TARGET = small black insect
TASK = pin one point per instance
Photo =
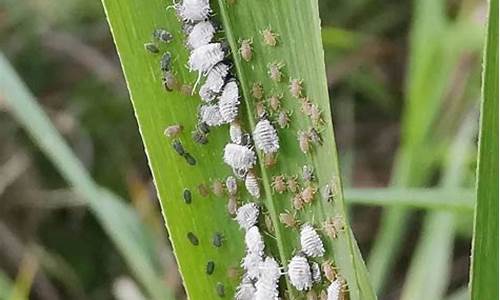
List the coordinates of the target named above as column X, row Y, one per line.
column 193, row 239
column 179, row 148
column 220, row 289
column 189, row 159
column 210, row 267
column 163, row 35
column 199, row 137
column 151, row 47
column 203, row 127
column 165, row 62
column 217, row 239
column 187, row 196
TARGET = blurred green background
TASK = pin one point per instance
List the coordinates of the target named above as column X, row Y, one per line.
column 404, row 85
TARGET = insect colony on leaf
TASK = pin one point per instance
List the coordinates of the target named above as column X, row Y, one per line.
column 220, row 97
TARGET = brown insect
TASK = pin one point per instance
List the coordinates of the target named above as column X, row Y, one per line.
column 173, row 131
column 246, row 49
column 274, row 102
column 283, row 119
column 218, row 188
column 297, row 201
column 269, row 223
column 274, row 71
column 308, row 193
column 260, row 109
column 305, row 106
column 315, row 115
column 329, row 270
column 257, row 90
column 288, row 219
column 323, row 295
column 270, row 160
column 203, row 190
column 186, row 89
column 270, row 38
column 232, row 205
column 279, row 184
column 304, row 141
column 296, row 88
column 292, row 184
column 312, row 295
column 333, row 225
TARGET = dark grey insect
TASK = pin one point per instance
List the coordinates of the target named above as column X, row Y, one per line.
column 189, row 159
column 151, row 48
column 217, row 239
column 169, row 81
column 315, row 136
column 307, row 173
column 166, row 61
column 203, row 127
column 193, row 239
column 163, row 35
column 246, row 139
column 178, row 147
column 210, row 267
column 188, row 198
column 219, row 287
column 199, row 137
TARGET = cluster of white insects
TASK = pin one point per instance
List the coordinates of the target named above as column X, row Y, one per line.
column 220, row 101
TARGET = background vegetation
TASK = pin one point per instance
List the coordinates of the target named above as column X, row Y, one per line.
column 404, row 82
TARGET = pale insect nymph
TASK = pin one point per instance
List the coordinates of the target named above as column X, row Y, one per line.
column 232, row 205
column 247, row 215
column 304, row 141
column 173, row 131
column 252, row 185
column 201, row 34
column 292, row 184
column 279, row 184
column 283, row 119
column 299, row 273
column 254, row 241
column 257, row 90
column 296, row 88
column 218, row 188
column 260, row 109
column 274, row 102
column 274, row 71
column 308, row 193
column 311, row 242
column 288, row 219
column 229, row 101
column 333, row 225
column 265, row 137
column 246, row 49
column 231, row 185
column 239, row 157
column 329, row 270
column 270, row 38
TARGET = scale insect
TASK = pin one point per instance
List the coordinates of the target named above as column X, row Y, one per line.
column 292, row 184
column 279, row 184
column 201, row 34
column 336, row 289
column 252, row 185
column 308, row 194
column 211, row 115
column 189, row 159
column 246, row 49
column 329, row 270
column 267, row 282
column 218, row 188
column 166, row 62
column 191, row 11
column 151, row 48
column 235, row 132
column 257, row 91
column 260, row 109
column 299, row 273
column 217, row 239
column 297, row 202
column 283, row 119
column 274, row 71
column 274, row 102
column 310, row 242
column 232, row 205
column 247, row 215
column 269, row 37
column 169, row 81
column 245, row 290
column 250, row 263
column 229, row 102
column 210, row 267
column 307, row 173
column 193, row 239
column 188, row 198
column 288, row 219
column 333, row 225
column 304, row 141
column 239, row 157
column 296, row 88
column 178, row 147
column 203, row 190
column 231, row 185
column 216, row 79
column 266, row 137
column 315, row 272
column 254, row 241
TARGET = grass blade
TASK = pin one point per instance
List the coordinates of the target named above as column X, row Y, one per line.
column 132, row 23
column 484, row 267
column 117, row 219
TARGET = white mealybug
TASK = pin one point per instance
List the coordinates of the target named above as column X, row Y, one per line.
column 336, row 289
column 206, row 94
column 252, row 185
column 229, row 101
column 239, row 157
column 204, row 58
column 254, row 241
column 251, row 263
column 210, row 114
column 299, row 273
column 315, row 272
column 310, row 242
column 231, row 185
column 245, row 290
column 215, row 81
column 267, row 283
column 201, row 34
column 235, row 132
column 265, row 137
column 193, row 10
column 247, row 215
